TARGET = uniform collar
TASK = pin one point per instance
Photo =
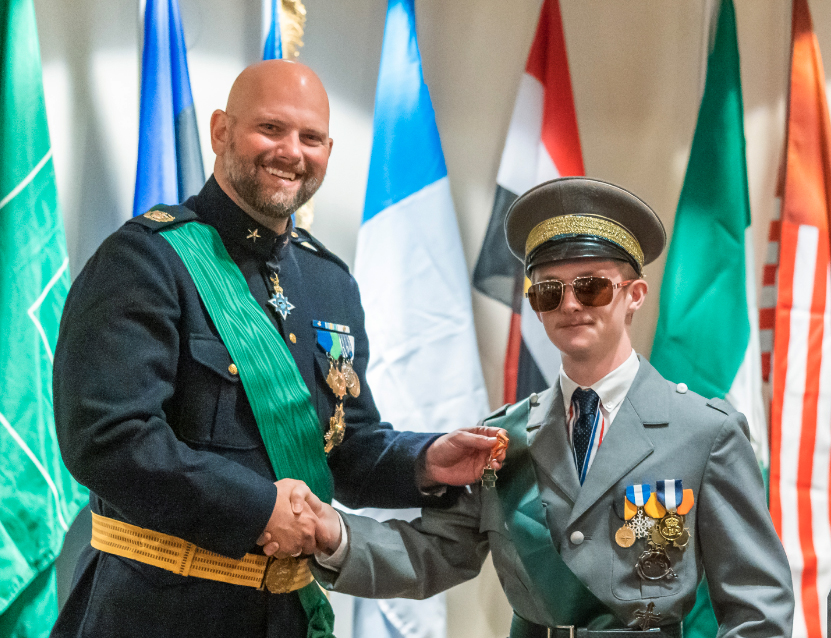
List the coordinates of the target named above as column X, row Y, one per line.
column 611, row 389
column 235, row 226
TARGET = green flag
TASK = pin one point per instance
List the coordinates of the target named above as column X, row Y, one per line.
column 38, row 497
column 707, row 334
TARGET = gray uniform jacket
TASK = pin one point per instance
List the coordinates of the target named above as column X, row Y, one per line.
column 660, row 432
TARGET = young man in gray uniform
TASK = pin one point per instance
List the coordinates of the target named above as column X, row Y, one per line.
column 620, row 489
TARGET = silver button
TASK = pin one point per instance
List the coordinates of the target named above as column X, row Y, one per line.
column 681, row 388
column 534, row 399
column 577, row 537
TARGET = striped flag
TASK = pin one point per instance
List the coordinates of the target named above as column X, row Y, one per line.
column 424, row 364
column 543, row 143
column 38, row 497
column 169, row 166
column 707, row 334
column 273, row 47
column 801, row 365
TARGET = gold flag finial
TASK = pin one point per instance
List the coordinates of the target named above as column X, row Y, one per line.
column 292, row 23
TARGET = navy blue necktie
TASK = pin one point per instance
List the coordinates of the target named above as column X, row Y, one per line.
column 584, row 405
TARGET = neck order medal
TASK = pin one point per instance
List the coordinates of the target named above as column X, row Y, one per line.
column 278, row 300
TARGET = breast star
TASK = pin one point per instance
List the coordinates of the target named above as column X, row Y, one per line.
column 253, row 234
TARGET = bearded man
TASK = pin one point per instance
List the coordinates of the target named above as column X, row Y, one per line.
column 210, row 382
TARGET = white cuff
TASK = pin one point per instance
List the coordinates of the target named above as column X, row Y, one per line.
column 334, row 561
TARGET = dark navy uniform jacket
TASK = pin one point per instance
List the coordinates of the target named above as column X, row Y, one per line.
column 153, row 420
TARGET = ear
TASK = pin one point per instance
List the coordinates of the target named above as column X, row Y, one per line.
column 636, row 297
column 219, row 131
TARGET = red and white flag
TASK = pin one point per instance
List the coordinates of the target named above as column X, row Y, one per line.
column 801, row 361
column 543, row 143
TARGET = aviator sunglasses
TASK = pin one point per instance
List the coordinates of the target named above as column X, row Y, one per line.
column 589, row 291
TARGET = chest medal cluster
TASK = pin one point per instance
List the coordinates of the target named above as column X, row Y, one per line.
column 339, row 347
column 657, row 517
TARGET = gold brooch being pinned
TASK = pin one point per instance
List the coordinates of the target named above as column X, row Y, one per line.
column 159, row 216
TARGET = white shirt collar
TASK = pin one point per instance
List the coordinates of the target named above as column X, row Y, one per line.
column 611, row 389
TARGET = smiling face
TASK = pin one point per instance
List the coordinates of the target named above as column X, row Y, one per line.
column 272, row 141
column 592, row 340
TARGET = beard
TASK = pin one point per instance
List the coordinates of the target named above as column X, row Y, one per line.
column 275, row 205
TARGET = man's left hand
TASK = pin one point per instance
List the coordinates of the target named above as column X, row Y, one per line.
column 458, row 458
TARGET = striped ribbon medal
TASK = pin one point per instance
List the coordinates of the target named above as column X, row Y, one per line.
column 339, row 347
column 671, row 528
column 637, row 525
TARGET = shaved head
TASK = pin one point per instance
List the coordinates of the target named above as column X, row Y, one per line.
column 271, row 80
column 272, row 140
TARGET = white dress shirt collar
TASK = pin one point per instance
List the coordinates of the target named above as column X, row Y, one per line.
column 611, row 389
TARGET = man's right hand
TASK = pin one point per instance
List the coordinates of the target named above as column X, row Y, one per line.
column 291, row 528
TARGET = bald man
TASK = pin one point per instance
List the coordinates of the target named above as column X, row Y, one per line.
column 209, row 384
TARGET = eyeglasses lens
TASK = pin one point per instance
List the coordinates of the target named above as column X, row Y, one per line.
column 589, row 291
column 593, row 291
column 545, row 296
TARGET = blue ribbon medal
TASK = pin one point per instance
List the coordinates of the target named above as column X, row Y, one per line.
column 671, row 528
column 339, row 347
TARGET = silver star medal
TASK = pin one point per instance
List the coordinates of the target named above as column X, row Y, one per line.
column 278, row 300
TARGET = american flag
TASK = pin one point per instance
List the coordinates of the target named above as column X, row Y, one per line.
column 801, row 361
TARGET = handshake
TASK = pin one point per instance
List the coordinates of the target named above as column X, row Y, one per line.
column 302, row 524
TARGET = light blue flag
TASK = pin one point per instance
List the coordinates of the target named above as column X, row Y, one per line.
column 169, row 157
column 424, row 368
column 273, row 48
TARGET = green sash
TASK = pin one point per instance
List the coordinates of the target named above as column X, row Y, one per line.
column 277, row 393
column 567, row 599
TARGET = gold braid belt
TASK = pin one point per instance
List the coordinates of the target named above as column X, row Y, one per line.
column 277, row 575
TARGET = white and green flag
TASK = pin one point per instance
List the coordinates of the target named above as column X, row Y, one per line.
column 38, row 497
column 707, row 334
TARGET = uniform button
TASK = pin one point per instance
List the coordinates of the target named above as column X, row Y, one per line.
column 533, row 399
column 681, row 388
column 295, row 235
column 232, row 369
column 577, row 537
column 292, row 337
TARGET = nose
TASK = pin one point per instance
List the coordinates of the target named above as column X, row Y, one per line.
column 288, row 147
column 569, row 302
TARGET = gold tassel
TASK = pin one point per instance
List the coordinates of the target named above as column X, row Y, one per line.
column 292, row 23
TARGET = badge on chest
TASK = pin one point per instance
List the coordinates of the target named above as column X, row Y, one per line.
column 656, row 516
column 339, row 346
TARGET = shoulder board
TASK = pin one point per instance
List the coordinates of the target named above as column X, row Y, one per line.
column 304, row 239
column 721, row 405
column 161, row 217
column 497, row 413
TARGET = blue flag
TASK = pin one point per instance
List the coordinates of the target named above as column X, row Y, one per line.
column 424, row 370
column 273, row 49
column 169, row 157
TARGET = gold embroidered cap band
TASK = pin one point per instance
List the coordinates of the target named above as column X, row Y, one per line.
column 277, row 575
column 584, row 225
column 582, row 218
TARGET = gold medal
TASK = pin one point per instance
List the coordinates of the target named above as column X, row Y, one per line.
column 656, row 538
column 625, row 536
column 671, row 526
column 337, row 428
column 489, row 474
column 336, row 380
column 351, row 379
column 489, row 477
column 681, row 541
